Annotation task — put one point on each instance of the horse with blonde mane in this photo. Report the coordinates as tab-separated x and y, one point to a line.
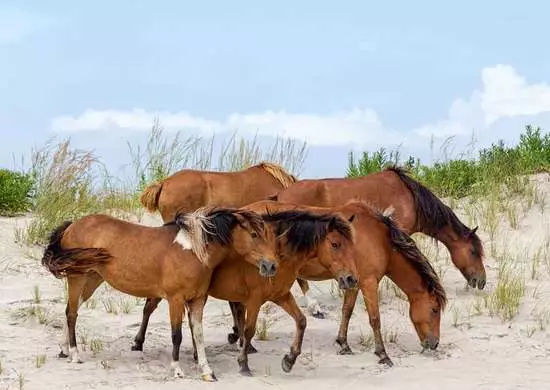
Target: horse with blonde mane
174	261
301	237
189	189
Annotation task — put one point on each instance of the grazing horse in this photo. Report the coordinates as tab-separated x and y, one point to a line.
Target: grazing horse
417	209
381	248
174	262
189	189
301	237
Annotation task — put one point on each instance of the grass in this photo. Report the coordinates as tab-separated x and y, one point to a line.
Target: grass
69	183
15	192
265	322
40	360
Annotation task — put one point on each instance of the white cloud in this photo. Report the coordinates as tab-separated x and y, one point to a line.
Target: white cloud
503	94
360	127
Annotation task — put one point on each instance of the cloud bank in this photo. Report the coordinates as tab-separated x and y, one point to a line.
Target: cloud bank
503	94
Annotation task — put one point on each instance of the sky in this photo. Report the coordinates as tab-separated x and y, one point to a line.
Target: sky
341	75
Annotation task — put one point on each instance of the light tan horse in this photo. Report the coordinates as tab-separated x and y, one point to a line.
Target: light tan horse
174	262
189	189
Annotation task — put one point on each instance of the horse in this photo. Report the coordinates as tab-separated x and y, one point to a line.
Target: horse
174	261
381	249
301	237
417	209
189	189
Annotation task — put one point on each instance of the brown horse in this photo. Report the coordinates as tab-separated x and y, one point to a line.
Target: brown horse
381	248
302	236
174	261
189	189
417	209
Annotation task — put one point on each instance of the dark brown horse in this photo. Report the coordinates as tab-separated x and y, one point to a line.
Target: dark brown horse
381	248
302	236
174	262
189	189
417	209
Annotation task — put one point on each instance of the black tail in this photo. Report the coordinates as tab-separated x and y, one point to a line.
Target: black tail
62	262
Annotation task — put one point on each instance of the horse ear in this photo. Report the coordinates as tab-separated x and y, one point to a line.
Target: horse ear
473	231
350	219
273	197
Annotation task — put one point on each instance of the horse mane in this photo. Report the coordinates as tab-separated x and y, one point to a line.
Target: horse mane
432	214
208	225
405	245
304	230
278	173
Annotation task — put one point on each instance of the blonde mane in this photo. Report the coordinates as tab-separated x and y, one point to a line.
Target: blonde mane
278	173
194	227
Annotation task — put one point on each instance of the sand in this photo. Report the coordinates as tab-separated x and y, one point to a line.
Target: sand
477	350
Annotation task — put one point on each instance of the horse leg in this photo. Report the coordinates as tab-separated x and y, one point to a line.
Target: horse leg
75	285
252	310
350	297
312	305
288	304
239	318
369	287
150	306
196	308
177	309
233	337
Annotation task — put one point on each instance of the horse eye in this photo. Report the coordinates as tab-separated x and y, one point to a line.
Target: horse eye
335	244
435	310
254	234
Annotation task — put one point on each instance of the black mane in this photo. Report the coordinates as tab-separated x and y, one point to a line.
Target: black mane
304	230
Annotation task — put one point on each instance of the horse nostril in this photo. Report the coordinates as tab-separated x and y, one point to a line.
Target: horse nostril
351	281
435	345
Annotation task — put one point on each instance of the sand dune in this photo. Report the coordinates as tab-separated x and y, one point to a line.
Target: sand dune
477	350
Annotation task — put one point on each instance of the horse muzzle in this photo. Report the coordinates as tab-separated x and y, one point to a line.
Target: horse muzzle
430	342
478	281
347	282
267	268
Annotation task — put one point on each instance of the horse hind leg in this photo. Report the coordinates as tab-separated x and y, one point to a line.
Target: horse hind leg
196	308
150	306
76	286
350	297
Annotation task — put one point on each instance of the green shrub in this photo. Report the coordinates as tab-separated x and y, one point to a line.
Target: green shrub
495	166
15	192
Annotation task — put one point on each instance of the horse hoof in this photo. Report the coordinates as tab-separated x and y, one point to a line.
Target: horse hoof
62	355
178	373
286	364
209	377
319	314
245	372
345	351
251	349
387	361
232	338
137	347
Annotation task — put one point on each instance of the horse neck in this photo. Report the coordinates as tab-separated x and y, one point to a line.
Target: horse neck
448	236
295	261
217	254
405	275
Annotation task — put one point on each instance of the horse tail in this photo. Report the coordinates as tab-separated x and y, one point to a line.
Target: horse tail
150	196
304	285
62	262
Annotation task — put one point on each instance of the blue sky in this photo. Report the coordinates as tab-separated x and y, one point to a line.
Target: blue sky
369	73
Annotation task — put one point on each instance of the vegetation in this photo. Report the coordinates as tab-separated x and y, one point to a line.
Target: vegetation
15	192
66	183
458	178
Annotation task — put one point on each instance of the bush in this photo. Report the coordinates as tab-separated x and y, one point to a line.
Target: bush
15	192
457	178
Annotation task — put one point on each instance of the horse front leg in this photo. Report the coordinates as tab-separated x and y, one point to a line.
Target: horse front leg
238	311
150	306
252	310
369	287
177	308
350	297
196	308
288	304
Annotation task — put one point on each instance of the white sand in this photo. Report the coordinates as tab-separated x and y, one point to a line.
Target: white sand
480	352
